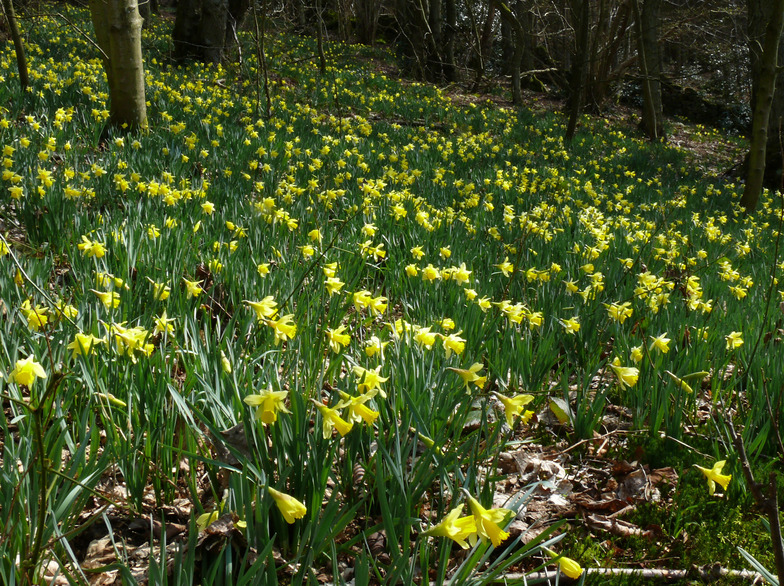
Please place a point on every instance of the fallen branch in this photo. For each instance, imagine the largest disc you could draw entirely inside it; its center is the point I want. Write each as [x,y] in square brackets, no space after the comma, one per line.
[704,573]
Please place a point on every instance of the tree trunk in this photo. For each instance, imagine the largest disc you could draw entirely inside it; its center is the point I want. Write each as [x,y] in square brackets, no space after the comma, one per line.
[206,29]
[21,60]
[647,25]
[367,20]
[450,27]
[765,87]
[519,44]
[320,39]
[581,15]
[118,30]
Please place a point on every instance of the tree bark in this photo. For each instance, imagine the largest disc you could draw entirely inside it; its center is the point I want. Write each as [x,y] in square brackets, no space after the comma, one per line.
[581,14]
[449,29]
[21,60]
[519,45]
[206,29]
[765,88]
[647,25]
[118,30]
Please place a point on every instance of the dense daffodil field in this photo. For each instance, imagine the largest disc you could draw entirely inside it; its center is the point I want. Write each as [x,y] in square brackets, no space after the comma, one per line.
[295,334]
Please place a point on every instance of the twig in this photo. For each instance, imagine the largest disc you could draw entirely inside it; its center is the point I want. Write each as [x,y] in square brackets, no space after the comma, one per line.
[84,34]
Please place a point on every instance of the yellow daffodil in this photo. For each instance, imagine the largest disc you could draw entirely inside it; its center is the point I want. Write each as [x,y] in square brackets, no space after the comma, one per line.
[266,308]
[513,406]
[331,419]
[91,248]
[37,317]
[357,410]
[161,291]
[26,371]
[453,343]
[290,508]
[455,527]
[471,375]
[619,312]
[627,375]
[425,338]
[374,346]
[268,404]
[568,566]
[734,340]
[715,476]
[193,287]
[362,299]
[661,343]
[337,339]
[489,522]
[370,380]
[285,328]
[163,324]
[83,344]
[506,267]
[571,325]
[333,285]
[110,299]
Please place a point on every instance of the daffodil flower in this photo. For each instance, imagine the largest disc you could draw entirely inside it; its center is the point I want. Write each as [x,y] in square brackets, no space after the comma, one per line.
[83,344]
[627,375]
[193,287]
[333,285]
[514,406]
[290,508]
[471,375]
[489,521]
[734,340]
[453,343]
[455,527]
[374,346]
[715,476]
[571,325]
[357,410]
[568,566]
[161,291]
[506,267]
[661,343]
[266,308]
[284,328]
[331,419]
[26,371]
[268,404]
[110,299]
[163,324]
[370,380]
[338,339]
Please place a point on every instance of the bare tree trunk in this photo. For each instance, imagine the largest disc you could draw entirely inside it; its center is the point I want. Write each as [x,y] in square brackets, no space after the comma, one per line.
[484,42]
[320,39]
[367,20]
[21,60]
[647,24]
[763,101]
[581,13]
[450,26]
[519,45]
[118,30]
[205,29]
